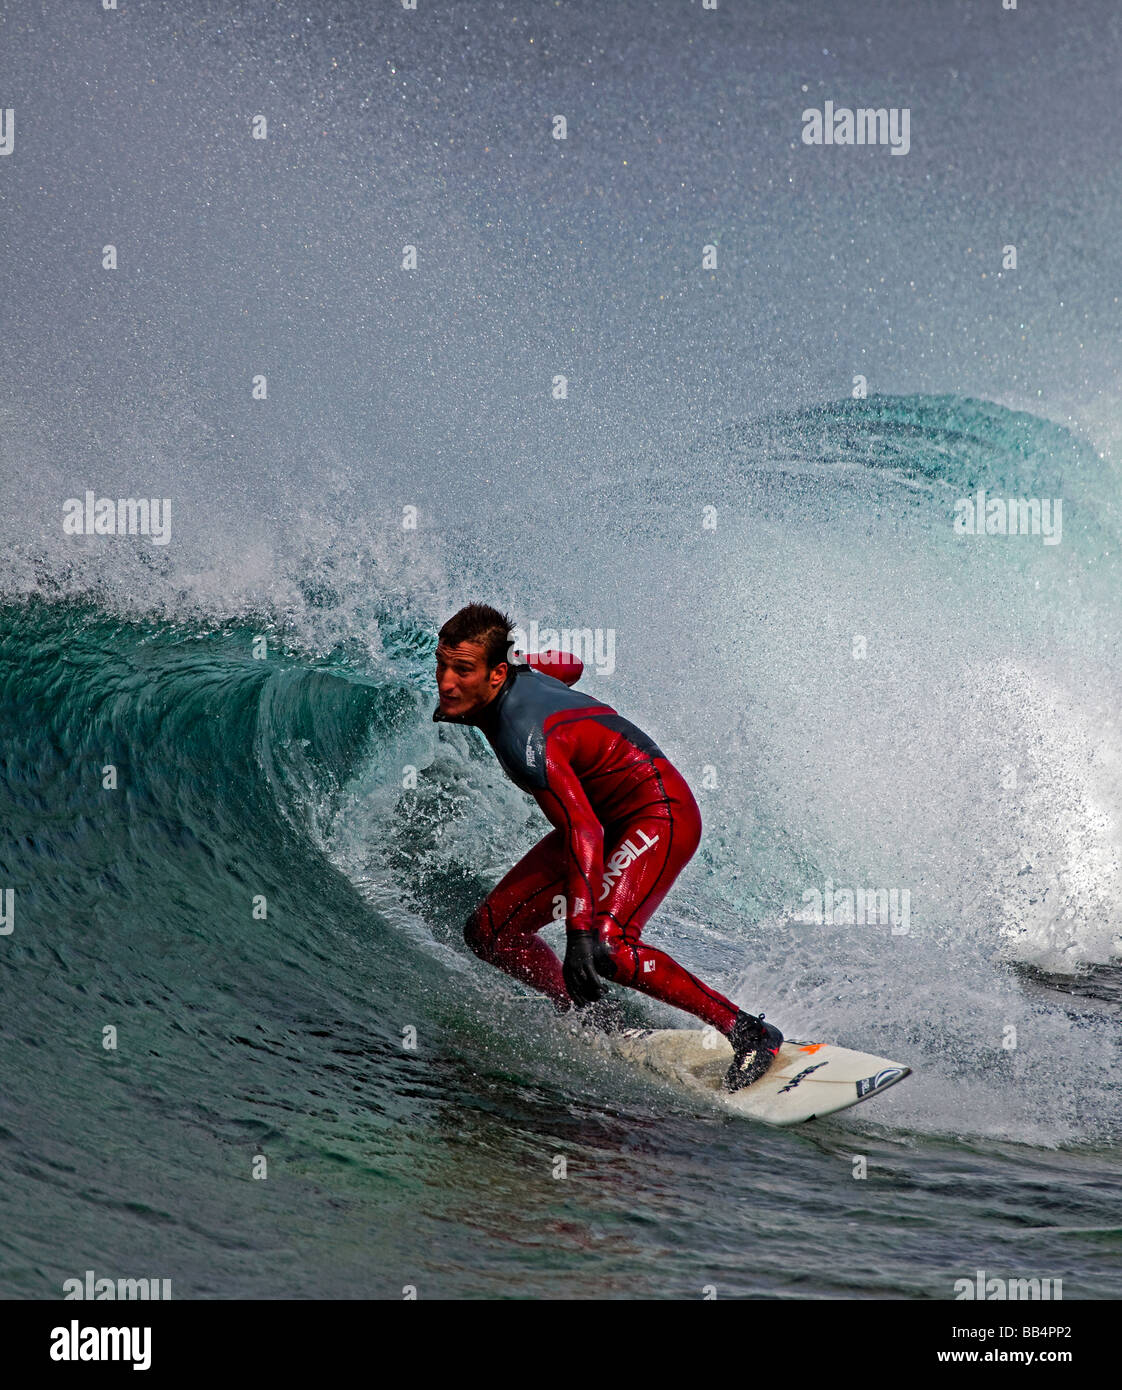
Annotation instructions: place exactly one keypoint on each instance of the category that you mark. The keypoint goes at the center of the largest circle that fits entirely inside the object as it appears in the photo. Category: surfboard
(806, 1080)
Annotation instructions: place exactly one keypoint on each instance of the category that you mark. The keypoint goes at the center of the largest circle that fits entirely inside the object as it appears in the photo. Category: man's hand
(579, 969)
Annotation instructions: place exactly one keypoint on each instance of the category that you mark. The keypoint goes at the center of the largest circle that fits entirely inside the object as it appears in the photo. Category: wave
(285, 755)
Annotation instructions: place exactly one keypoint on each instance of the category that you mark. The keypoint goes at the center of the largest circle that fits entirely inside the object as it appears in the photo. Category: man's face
(462, 678)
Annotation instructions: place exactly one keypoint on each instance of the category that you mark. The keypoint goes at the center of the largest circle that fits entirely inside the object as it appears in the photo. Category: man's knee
(477, 931)
(687, 832)
(605, 960)
(614, 956)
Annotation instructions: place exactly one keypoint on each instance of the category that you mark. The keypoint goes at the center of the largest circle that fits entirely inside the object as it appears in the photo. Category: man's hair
(480, 623)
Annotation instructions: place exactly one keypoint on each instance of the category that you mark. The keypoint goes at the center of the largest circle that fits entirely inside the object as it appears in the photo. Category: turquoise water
(284, 1037)
(316, 1090)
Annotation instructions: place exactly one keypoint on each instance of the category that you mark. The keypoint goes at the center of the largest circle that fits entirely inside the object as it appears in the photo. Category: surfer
(625, 824)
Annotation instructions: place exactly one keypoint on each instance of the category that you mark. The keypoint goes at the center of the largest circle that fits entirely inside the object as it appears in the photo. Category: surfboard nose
(887, 1076)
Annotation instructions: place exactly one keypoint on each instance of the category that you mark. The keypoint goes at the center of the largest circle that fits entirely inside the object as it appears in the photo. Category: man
(625, 824)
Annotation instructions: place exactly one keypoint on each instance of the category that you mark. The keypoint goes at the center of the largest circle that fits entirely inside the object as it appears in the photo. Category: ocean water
(314, 1089)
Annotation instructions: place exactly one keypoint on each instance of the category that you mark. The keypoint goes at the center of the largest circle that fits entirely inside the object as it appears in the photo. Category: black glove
(579, 969)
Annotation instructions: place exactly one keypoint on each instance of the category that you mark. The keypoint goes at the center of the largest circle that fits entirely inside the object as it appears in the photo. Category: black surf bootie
(755, 1045)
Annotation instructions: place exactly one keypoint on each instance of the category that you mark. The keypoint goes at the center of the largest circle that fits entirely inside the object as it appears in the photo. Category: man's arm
(567, 808)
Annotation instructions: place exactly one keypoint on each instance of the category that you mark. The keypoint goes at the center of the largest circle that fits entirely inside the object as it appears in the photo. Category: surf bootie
(755, 1045)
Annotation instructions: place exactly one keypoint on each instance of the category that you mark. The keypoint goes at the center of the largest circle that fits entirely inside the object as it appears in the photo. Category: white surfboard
(806, 1079)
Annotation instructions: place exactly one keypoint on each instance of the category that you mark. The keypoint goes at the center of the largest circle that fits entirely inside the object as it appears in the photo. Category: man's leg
(658, 844)
(504, 928)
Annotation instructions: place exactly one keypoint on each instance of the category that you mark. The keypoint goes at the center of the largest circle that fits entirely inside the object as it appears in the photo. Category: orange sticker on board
(812, 1047)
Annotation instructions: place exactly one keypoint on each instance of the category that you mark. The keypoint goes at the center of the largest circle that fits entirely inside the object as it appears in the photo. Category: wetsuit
(625, 825)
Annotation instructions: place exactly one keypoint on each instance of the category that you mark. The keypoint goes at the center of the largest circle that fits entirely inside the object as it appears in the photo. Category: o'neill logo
(627, 853)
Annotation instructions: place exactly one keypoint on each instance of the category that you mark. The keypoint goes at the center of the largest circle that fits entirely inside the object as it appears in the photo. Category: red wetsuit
(625, 825)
